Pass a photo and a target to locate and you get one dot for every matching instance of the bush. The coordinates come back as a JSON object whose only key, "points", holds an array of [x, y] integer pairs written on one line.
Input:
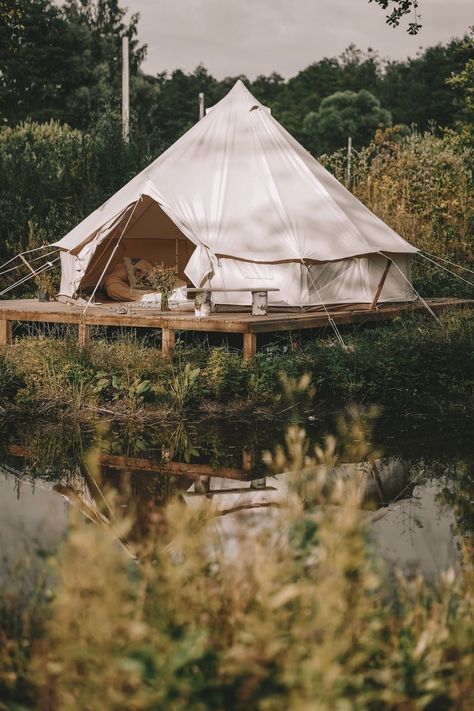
{"points": [[304, 616], [422, 187]]}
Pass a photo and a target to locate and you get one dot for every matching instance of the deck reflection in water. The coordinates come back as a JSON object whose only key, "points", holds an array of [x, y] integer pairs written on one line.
{"points": [[408, 523]]}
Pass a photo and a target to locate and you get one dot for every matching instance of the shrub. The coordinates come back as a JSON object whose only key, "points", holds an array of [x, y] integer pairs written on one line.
{"points": [[422, 187], [304, 616]]}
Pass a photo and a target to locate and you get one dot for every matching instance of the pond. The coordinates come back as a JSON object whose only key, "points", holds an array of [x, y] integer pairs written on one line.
{"points": [[414, 478]]}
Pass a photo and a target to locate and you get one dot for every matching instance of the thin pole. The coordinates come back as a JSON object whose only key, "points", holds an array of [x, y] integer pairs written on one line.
{"points": [[201, 105], [380, 286], [112, 255], [125, 90], [349, 160]]}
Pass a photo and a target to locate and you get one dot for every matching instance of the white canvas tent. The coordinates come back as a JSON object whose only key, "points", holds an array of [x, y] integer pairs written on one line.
{"points": [[238, 202]]}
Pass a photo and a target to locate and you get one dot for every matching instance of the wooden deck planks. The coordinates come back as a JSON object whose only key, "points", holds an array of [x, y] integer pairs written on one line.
{"points": [[30, 310]]}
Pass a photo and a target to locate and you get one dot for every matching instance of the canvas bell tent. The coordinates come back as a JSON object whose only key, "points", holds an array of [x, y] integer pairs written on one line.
{"points": [[237, 202]]}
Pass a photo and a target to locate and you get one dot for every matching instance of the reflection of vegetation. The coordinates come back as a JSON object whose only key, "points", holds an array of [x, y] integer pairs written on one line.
{"points": [[458, 492], [300, 618]]}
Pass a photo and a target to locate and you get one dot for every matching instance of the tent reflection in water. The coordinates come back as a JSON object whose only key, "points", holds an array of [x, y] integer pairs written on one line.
{"points": [[237, 202]]}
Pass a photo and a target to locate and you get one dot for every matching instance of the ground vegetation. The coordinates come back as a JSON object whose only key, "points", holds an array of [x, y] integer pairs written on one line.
{"points": [[411, 365]]}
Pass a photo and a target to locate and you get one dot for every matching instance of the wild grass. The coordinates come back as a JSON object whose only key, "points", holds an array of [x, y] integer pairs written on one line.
{"points": [[296, 612], [422, 187], [413, 364]]}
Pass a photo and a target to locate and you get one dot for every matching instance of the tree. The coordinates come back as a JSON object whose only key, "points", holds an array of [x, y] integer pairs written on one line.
{"points": [[343, 114], [462, 83], [65, 61], [415, 89], [399, 9], [10, 18]]}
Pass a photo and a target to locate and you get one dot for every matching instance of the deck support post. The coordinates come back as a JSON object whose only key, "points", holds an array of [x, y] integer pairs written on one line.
{"points": [[5, 332], [84, 335], [250, 345], [167, 341]]}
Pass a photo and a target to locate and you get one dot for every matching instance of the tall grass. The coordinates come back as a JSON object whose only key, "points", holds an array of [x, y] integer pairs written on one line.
{"points": [[422, 187], [413, 363], [296, 612]]}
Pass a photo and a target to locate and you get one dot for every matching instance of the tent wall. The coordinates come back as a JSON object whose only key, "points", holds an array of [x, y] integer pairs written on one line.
{"points": [[146, 232], [353, 281]]}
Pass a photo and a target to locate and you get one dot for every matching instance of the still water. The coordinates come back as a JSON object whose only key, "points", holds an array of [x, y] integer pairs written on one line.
{"points": [[414, 477]]}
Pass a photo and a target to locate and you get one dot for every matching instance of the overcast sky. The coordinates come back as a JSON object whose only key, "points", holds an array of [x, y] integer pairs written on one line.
{"points": [[252, 37]]}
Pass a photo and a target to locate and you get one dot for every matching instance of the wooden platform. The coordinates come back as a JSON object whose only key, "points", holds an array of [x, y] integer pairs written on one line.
{"points": [[30, 310]]}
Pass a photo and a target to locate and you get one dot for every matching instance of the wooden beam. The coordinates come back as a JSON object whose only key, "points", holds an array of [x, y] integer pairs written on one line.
{"points": [[167, 341], [5, 332], [250, 345], [247, 459], [380, 286], [27, 264], [84, 335]]}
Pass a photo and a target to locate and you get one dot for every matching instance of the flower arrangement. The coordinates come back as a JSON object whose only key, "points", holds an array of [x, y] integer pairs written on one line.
{"points": [[162, 279]]}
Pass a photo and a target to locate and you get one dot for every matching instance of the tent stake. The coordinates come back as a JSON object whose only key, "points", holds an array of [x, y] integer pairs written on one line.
{"points": [[380, 286]]}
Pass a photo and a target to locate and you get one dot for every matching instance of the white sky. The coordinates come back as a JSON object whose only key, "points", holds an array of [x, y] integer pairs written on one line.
{"points": [[252, 37]]}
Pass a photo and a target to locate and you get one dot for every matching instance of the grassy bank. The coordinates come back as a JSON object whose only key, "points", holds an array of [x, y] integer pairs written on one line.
{"points": [[304, 617], [413, 364]]}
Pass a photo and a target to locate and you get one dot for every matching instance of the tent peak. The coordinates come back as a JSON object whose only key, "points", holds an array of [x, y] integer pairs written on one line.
{"points": [[239, 87]]}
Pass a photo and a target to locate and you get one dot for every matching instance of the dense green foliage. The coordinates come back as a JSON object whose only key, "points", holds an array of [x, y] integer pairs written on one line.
{"points": [[64, 62], [413, 364], [52, 175], [343, 114], [62, 153]]}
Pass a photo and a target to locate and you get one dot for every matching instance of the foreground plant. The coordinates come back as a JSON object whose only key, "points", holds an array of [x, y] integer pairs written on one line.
{"points": [[292, 610]]}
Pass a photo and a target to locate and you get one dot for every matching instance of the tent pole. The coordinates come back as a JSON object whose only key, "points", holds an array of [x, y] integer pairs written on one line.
{"points": [[381, 283], [349, 160], [125, 90], [112, 255]]}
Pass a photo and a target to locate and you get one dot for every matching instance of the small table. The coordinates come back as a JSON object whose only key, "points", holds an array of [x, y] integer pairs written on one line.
{"points": [[203, 305]]}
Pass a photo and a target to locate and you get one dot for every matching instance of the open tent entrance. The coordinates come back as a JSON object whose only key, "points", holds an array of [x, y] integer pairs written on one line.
{"points": [[150, 234]]}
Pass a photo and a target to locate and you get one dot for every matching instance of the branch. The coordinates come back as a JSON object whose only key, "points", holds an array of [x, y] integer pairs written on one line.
{"points": [[398, 9]]}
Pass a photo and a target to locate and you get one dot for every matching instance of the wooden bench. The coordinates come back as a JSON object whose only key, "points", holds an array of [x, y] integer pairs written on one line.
{"points": [[203, 305]]}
